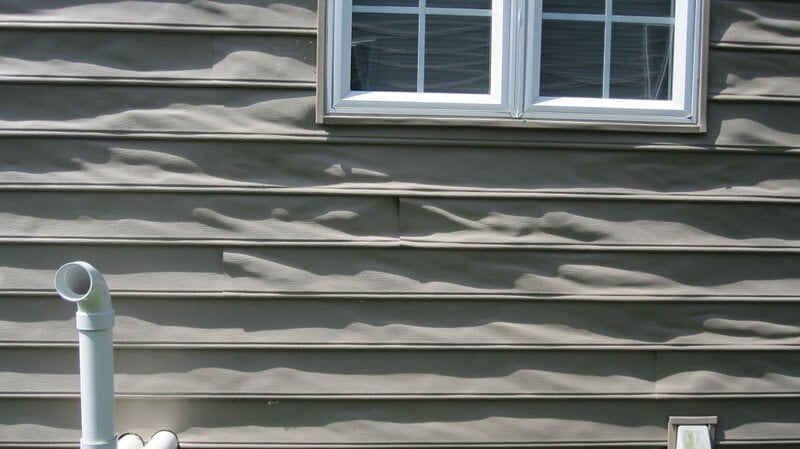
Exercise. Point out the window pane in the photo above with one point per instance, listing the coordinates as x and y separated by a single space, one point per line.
653 8
572 59
574 6
383 56
641 65
470 4
386 2
457 54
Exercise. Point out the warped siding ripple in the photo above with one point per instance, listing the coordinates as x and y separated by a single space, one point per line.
280 284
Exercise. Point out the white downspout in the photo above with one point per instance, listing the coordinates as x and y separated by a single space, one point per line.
81 283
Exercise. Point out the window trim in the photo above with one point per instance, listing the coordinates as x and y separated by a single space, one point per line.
499 109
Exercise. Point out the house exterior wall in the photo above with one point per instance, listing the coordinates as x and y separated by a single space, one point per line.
280 283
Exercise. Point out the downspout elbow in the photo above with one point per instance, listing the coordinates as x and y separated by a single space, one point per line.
81 283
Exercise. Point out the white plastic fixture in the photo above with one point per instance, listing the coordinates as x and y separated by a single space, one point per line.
693 437
81 283
691 432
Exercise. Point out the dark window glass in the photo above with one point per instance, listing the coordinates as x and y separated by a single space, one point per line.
383 55
641 66
469 4
574 6
572 59
653 8
457 54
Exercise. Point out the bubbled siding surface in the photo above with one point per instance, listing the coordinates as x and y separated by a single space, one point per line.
283 284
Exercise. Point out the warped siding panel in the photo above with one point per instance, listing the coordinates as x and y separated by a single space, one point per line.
770 23
156 56
33 267
408 423
211 13
753 124
489 171
754 73
196 217
727 373
488 272
282 58
117 109
601 223
408 374
451 322
271 58
335 373
246 112
276 112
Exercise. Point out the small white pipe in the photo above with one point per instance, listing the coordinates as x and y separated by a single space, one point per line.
130 441
163 439
82 284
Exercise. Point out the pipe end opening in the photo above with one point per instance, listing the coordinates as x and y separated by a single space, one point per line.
73 281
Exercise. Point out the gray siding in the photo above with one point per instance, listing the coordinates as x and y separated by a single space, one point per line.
283 284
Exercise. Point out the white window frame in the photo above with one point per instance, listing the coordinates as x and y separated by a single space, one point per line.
513 98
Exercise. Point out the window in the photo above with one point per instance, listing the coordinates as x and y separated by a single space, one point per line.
630 64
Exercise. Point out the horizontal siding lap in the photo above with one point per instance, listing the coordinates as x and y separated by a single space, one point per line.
746 373
156 56
212 13
336 373
140 109
748 22
451 323
163 269
242 112
407 423
273 219
411 374
754 73
604 223
196 217
490 170
478 272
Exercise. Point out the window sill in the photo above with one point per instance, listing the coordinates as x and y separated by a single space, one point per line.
588 123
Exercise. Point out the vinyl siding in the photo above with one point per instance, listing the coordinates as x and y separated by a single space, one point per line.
278 283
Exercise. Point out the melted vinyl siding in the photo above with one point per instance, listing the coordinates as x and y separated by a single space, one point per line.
270 373
231 422
180 58
282 284
174 14
224 320
372 169
197 218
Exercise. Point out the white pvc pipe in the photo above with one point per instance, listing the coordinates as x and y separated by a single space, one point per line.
82 284
130 441
163 439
